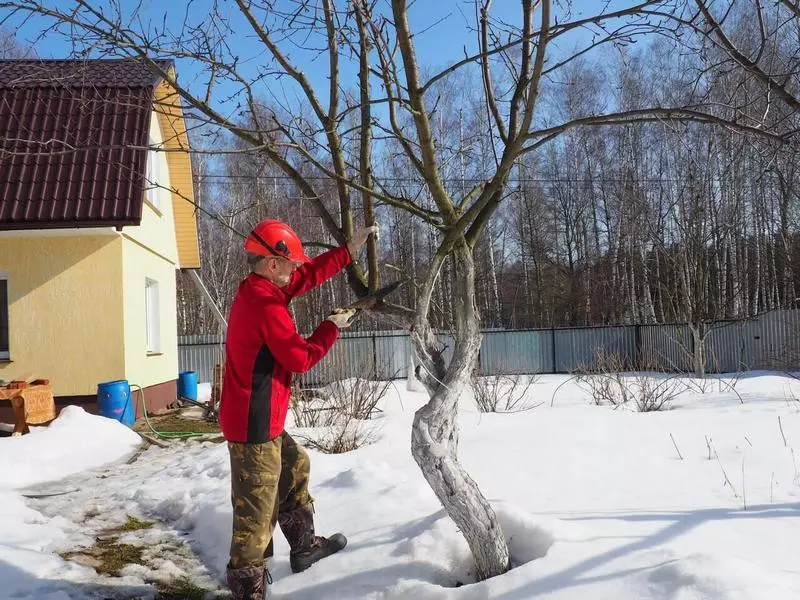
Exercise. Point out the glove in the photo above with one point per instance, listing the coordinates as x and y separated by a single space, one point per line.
341 317
360 236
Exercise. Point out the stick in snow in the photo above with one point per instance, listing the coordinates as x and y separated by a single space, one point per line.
782 434
676 446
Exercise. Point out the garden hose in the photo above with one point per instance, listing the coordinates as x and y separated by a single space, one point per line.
166 435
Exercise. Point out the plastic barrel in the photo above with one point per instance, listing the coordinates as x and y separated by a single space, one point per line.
114 401
187 385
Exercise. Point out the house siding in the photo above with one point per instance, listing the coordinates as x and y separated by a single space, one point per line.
173 128
157 228
65 313
138 265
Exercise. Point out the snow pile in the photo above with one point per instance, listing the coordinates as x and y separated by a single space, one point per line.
595 502
74 442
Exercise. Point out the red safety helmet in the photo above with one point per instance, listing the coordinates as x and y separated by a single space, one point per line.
275 238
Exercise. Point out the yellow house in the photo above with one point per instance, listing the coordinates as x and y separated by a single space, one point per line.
96 217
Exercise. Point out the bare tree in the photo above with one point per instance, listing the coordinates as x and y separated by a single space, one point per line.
10 47
323 140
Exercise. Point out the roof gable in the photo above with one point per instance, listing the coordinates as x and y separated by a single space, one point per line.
73 142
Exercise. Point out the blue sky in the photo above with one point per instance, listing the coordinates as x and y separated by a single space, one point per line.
443 36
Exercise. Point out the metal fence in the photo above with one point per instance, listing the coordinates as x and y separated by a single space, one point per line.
764 342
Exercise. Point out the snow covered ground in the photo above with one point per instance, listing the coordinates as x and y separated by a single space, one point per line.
595 501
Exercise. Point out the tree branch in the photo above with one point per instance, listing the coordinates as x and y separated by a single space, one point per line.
420 113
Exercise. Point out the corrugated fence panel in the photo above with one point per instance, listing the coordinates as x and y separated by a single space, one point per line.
200 353
578 348
765 342
665 346
723 348
380 356
517 351
770 342
393 352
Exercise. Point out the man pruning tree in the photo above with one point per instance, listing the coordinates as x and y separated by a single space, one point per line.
269 470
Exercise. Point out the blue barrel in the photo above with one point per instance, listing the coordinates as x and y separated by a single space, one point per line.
114 401
187 385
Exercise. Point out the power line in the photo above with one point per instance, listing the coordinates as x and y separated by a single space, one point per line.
464 180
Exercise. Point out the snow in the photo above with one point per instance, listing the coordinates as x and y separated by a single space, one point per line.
595 501
74 442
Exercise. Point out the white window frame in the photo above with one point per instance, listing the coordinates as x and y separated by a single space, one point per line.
153 175
5 353
152 307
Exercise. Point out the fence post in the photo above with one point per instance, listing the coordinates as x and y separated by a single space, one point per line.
637 346
553 348
374 354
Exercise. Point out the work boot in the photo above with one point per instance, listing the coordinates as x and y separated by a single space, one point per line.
306 548
249 583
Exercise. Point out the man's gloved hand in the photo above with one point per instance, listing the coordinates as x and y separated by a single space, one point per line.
341 317
359 237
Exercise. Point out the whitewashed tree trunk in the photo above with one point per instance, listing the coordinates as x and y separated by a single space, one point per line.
434 437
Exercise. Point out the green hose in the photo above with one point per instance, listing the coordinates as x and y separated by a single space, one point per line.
166 435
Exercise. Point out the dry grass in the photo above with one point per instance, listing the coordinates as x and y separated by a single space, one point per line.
107 556
174 421
110 557
134 524
179 589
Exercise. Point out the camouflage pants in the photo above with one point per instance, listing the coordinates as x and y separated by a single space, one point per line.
266 479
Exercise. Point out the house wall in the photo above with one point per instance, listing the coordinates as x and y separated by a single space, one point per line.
157 228
65 314
143 368
150 251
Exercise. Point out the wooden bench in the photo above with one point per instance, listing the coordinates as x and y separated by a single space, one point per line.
32 405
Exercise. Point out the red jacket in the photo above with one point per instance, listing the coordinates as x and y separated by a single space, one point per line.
263 349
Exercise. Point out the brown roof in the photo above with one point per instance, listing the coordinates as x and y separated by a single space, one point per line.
67 135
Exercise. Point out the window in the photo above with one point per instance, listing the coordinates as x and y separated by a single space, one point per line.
4 350
153 175
152 316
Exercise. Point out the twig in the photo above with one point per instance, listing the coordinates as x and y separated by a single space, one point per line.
725 475
708 445
560 385
744 488
152 440
748 441
676 446
782 434
771 480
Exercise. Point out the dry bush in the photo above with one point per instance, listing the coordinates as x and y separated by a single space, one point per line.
502 392
343 436
608 383
653 393
358 397
605 380
308 409
338 413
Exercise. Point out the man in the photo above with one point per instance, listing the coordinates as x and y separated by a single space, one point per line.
269 470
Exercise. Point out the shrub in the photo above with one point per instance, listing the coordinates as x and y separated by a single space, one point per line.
502 392
608 383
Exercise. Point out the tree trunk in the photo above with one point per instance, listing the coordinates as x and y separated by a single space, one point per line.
699 349
434 437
